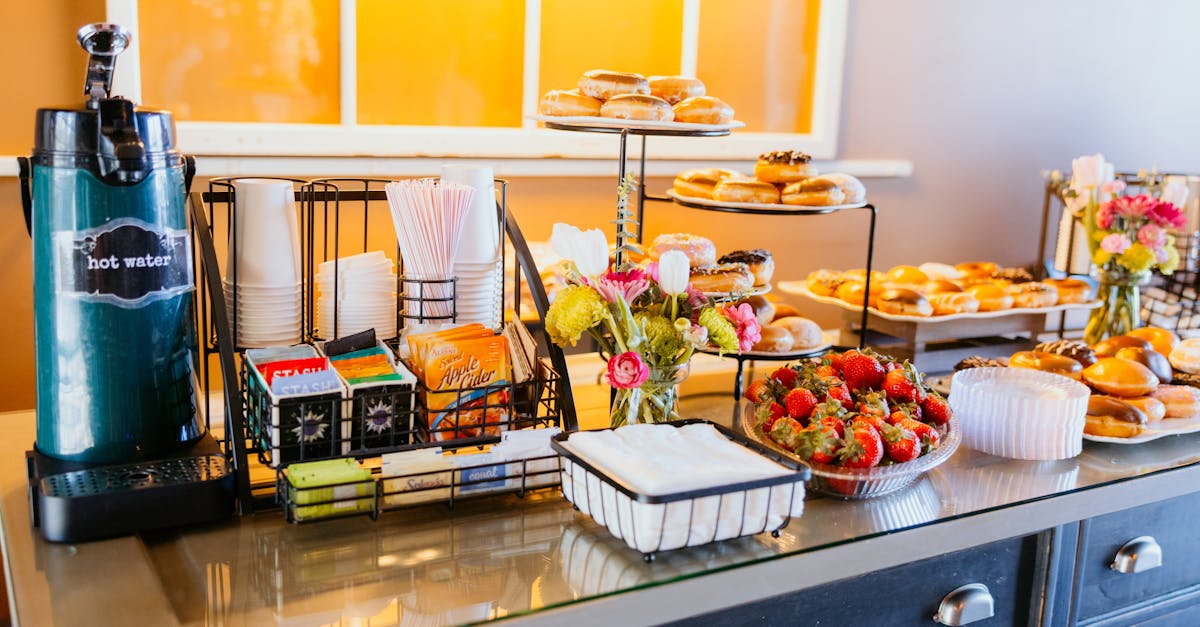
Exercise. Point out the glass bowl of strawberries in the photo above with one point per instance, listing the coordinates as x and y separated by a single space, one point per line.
865 423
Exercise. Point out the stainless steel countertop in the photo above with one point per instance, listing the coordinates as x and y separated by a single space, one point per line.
505 556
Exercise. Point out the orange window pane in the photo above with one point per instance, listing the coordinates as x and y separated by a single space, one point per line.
762 62
440 63
643 36
241 60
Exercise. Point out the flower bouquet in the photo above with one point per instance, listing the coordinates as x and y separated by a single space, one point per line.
1129 237
647 321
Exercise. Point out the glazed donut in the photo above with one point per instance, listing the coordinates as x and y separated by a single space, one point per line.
725 278
700 251
991 297
1113 417
1071 290
823 282
605 84
1047 362
1120 377
855 191
731 190
1163 340
1078 351
906 274
761 264
703 110
817 191
976 269
1110 346
1008 276
673 89
774 340
1154 409
1033 294
699 183
1186 356
1151 359
939 286
940 271
805 333
904 302
1181 401
764 310
946 303
784 167
560 102
637 107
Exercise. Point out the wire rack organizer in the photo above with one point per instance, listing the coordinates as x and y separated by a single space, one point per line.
335 218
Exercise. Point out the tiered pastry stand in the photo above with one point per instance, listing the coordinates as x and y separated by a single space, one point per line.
660 129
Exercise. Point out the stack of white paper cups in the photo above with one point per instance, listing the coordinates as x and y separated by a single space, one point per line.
480 287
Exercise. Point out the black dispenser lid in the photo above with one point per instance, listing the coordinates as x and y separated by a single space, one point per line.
118 142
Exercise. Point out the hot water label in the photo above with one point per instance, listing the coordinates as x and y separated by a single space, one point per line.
126 262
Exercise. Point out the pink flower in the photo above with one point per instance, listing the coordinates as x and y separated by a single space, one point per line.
1166 214
1152 236
696 335
626 286
1113 187
749 332
627 371
1105 215
652 271
1161 255
1115 243
695 297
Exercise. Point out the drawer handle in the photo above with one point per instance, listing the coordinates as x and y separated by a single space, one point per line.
964 605
1138 555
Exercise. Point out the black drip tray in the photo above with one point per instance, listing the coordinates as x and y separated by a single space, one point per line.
71 503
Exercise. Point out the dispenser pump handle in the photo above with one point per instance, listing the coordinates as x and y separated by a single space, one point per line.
103 42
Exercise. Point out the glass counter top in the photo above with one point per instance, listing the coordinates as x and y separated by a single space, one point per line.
499 556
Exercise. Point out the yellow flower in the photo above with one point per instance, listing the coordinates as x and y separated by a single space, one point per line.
1138 258
1172 263
720 330
575 309
1101 257
666 341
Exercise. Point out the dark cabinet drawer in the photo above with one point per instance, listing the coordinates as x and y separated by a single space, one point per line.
1172 523
904 595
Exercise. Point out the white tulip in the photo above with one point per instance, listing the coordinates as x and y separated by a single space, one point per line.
1175 193
591 253
563 239
1089 171
674 270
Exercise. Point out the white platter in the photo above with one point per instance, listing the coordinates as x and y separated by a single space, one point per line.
799 288
653 125
1154 431
718 204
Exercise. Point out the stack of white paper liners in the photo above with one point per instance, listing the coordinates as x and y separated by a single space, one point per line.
429 217
365 296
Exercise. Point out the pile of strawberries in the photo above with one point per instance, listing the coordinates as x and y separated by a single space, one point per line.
857 409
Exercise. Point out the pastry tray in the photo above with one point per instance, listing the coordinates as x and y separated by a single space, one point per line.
800 289
602 124
641 520
757 290
750 207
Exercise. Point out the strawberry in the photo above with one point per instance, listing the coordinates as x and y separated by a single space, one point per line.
872 403
829 409
755 391
849 487
818 443
785 376
861 371
927 435
863 447
800 403
785 431
937 410
835 361
903 385
909 410
875 420
834 423
768 414
841 394
826 370
900 444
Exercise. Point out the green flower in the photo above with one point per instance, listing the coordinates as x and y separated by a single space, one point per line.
666 342
1138 258
720 330
575 310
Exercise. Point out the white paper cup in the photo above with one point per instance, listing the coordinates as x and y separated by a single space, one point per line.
267 234
1020 413
481 234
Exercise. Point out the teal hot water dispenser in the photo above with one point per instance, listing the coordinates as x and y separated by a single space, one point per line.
121 445
113 287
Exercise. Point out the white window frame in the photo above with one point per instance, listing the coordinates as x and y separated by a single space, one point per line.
247 142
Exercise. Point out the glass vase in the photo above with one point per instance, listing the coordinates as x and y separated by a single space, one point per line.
656 400
1120 307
